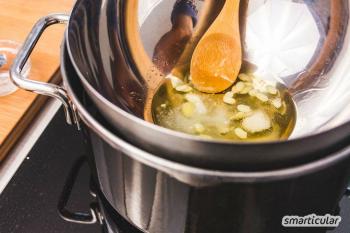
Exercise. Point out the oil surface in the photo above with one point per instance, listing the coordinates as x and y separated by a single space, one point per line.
206 115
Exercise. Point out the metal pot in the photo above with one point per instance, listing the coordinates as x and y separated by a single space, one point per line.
158 195
107 61
160 192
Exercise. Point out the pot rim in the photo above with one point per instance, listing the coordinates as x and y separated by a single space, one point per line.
187 173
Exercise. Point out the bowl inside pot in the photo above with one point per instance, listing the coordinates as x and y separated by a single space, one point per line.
305 49
300 44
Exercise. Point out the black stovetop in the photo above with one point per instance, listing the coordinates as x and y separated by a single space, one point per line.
29 202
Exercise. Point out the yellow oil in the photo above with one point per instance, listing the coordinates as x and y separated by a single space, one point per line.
217 122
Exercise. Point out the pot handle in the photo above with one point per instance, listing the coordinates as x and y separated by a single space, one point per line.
76 217
35 86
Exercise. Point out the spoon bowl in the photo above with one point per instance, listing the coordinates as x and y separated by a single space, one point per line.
216 63
217 59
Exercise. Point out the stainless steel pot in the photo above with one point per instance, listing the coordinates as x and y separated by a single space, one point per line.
159 192
158 195
109 68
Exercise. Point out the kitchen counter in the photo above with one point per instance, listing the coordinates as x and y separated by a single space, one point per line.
24 115
17 18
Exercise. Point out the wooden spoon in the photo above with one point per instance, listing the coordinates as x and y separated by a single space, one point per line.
154 80
217 59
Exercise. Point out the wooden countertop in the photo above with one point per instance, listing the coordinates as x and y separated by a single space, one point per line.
17 18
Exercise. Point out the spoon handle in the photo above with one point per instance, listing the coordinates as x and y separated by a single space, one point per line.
231 6
230 15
